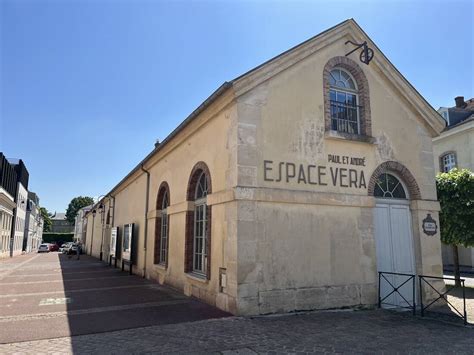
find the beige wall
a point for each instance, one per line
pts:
(210, 139)
(283, 245)
(304, 246)
(459, 140)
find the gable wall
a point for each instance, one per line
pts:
(305, 246)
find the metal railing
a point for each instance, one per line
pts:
(345, 117)
(423, 279)
(395, 289)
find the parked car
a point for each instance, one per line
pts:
(66, 248)
(53, 247)
(43, 248)
(61, 249)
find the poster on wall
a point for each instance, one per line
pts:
(113, 240)
(127, 241)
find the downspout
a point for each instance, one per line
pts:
(146, 214)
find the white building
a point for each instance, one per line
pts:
(80, 225)
(454, 148)
(34, 224)
(7, 204)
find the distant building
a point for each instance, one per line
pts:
(454, 148)
(59, 224)
(80, 225)
(19, 216)
(8, 181)
(34, 224)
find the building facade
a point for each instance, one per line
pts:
(80, 225)
(8, 181)
(59, 224)
(34, 224)
(454, 148)
(19, 217)
(288, 189)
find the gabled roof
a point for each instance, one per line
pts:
(431, 118)
(265, 71)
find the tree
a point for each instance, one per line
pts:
(46, 219)
(456, 196)
(75, 205)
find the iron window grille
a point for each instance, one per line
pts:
(343, 98)
(164, 230)
(200, 227)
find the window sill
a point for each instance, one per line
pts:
(349, 137)
(160, 266)
(197, 277)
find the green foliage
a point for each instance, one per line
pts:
(57, 237)
(46, 219)
(75, 205)
(456, 196)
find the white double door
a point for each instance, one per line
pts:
(394, 248)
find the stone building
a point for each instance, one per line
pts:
(80, 225)
(33, 224)
(289, 188)
(59, 224)
(454, 148)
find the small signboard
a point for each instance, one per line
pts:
(127, 241)
(429, 225)
(113, 241)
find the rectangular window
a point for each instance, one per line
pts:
(344, 112)
(164, 238)
(199, 256)
(449, 162)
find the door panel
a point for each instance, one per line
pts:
(394, 243)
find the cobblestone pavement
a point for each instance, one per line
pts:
(372, 331)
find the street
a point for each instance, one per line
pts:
(49, 295)
(53, 304)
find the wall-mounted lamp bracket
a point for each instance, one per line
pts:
(367, 53)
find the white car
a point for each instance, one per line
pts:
(43, 248)
(61, 249)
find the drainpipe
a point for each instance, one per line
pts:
(146, 214)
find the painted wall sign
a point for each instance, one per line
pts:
(429, 225)
(323, 175)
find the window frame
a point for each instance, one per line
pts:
(197, 261)
(346, 91)
(443, 163)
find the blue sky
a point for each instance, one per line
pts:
(88, 86)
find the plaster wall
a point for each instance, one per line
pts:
(459, 140)
(210, 138)
(307, 246)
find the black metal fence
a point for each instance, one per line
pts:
(408, 280)
(442, 295)
(395, 286)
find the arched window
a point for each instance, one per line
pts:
(343, 95)
(346, 99)
(162, 225)
(389, 186)
(198, 230)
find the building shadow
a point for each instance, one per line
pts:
(101, 298)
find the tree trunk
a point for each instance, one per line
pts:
(457, 272)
